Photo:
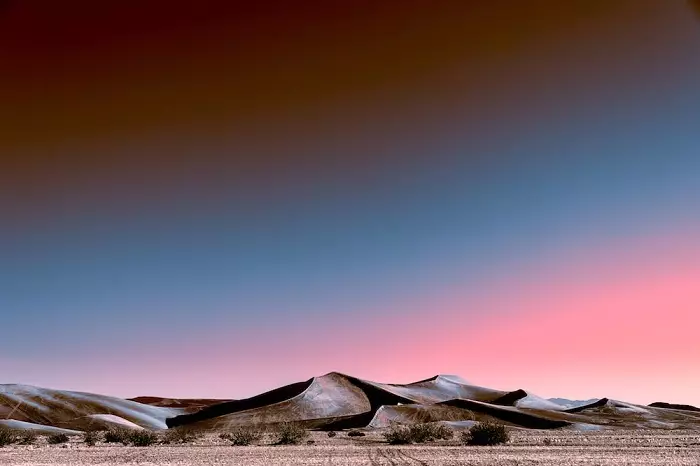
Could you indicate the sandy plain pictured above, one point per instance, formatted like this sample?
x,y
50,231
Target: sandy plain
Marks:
x,y
568,448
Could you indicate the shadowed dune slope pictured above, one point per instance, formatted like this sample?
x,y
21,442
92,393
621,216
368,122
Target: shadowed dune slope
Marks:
x,y
595,404
73,410
522,399
510,414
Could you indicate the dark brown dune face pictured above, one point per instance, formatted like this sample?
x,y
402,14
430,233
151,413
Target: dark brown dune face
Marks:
x,y
660,404
595,404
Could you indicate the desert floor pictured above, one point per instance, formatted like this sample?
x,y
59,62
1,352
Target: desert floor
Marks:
x,y
526,448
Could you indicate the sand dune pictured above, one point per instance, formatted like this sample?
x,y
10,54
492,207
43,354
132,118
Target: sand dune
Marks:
x,y
660,404
332,402
38,428
190,405
74,410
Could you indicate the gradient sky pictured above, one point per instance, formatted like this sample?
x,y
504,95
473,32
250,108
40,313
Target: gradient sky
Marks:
x,y
214,199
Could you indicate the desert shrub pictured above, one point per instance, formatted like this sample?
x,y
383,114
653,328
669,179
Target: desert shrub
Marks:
x,y
142,438
27,438
55,439
485,433
356,433
7,436
242,436
91,437
418,433
332,434
118,435
290,433
398,435
179,435
547,441
421,433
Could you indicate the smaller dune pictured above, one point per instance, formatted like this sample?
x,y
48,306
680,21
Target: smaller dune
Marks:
x,y
660,404
70,410
418,414
110,421
37,428
182,403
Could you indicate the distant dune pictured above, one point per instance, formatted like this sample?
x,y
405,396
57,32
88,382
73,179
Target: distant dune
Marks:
x,y
660,404
76,410
332,402
572,403
189,404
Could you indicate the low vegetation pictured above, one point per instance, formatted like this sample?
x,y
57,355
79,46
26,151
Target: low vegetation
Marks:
x,y
242,436
143,438
290,433
27,438
485,433
332,434
431,432
398,435
418,433
57,439
180,435
91,437
7,437
136,437
356,433
118,435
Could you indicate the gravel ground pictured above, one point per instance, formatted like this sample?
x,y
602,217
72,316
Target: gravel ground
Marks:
x,y
526,448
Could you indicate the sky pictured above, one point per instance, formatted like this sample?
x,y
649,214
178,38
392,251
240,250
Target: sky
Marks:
x,y
219,198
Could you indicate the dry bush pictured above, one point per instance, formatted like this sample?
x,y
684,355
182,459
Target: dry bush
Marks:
x,y
7,436
290,433
27,438
91,437
398,435
356,433
118,435
243,435
418,433
180,435
143,438
56,439
331,434
485,433
421,433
